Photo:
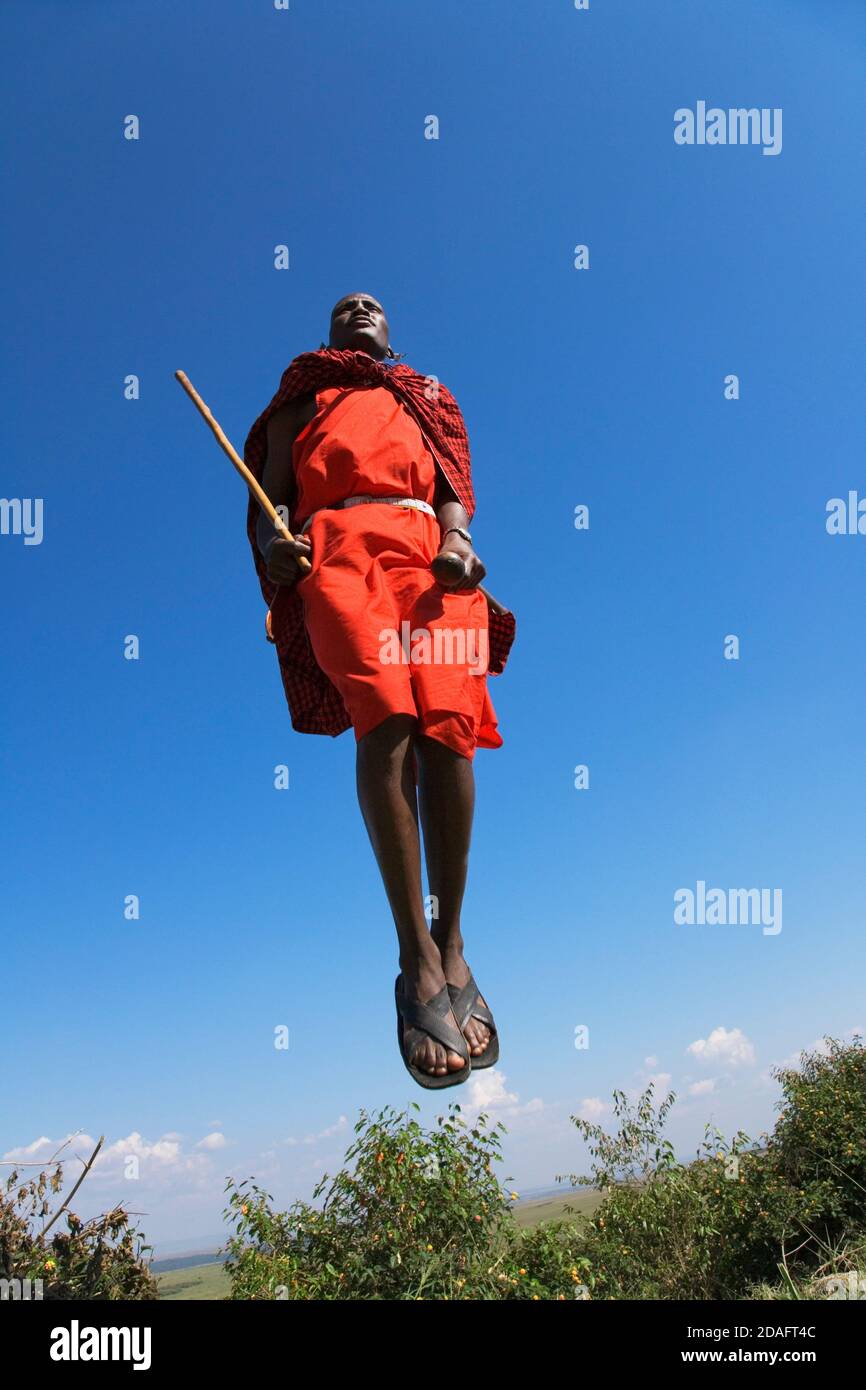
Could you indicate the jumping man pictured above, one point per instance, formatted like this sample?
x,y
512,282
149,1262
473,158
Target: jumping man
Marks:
x,y
370,462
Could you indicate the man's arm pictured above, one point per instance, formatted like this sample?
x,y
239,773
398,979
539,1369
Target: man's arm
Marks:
x,y
450,512
278,481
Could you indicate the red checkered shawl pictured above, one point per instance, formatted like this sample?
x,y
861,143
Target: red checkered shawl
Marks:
x,y
315,704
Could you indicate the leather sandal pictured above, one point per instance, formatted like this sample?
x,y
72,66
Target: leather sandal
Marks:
x,y
466,1003
414,1020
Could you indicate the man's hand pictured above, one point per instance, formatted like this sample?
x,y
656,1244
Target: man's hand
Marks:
x,y
283,556
474,569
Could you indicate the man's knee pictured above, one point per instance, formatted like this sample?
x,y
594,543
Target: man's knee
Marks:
x,y
389,737
432,749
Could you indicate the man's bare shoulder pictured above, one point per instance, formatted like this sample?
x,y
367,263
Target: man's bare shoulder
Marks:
x,y
283,428
288,420
297,411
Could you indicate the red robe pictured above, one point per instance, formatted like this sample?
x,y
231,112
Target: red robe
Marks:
x,y
315,705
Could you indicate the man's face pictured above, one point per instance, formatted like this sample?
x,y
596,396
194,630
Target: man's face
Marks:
x,y
358,324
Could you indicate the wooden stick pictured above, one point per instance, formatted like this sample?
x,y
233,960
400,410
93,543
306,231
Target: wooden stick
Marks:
x,y
252,483
258,492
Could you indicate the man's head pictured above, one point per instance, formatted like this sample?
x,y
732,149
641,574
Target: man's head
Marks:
x,y
358,324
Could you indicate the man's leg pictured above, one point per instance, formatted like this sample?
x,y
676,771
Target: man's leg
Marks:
x,y
388,798
446,795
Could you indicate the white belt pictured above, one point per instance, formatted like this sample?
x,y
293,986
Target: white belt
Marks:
x,y
414,502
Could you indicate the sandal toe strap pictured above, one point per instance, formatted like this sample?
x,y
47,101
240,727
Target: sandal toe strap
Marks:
x,y
432,1018
466,1003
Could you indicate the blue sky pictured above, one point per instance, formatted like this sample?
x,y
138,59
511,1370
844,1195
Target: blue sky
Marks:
x,y
602,387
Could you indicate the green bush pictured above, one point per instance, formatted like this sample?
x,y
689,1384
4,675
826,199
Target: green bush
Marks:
x,y
741,1213
819,1143
412,1219
414,1214
548,1262
418,1214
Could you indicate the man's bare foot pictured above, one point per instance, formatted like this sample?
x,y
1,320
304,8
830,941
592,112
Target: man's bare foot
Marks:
x,y
423,981
457,973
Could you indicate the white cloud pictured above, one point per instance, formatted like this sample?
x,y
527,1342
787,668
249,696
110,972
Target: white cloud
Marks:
x,y
43,1148
32,1153
334,1129
328,1133
165,1151
660,1080
487,1091
212,1141
592,1108
702,1088
651,1062
724,1045
793,1062
160,1160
